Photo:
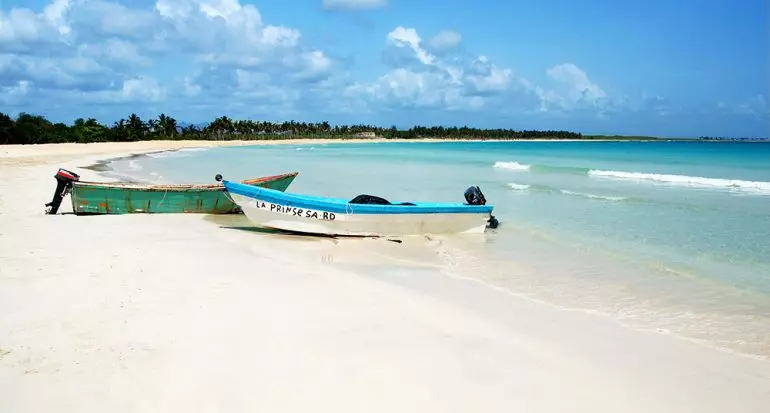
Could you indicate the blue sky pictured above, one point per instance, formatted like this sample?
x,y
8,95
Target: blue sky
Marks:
x,y
667,68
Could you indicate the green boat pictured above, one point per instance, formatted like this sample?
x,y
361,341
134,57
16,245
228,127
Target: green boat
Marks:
x,y
93,198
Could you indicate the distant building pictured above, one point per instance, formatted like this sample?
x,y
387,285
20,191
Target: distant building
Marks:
x,y
366,135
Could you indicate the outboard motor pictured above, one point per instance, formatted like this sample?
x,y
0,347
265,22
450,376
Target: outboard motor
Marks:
x,y
473,196
64,180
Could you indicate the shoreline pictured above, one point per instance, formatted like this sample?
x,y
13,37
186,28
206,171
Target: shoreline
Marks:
x,y
103,171
36,154
237,321
101,166
29,154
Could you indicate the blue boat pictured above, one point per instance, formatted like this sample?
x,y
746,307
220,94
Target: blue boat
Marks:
x,y
364,215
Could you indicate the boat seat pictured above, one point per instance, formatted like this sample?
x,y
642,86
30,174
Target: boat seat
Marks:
x,y
374,200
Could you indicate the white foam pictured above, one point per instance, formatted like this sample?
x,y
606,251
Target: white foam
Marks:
x,y
518,187
514,166
180,153
694,181
164,154
593,196
132,165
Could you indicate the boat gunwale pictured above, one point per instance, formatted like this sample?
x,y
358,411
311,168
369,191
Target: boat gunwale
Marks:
x,y
176,187
342,206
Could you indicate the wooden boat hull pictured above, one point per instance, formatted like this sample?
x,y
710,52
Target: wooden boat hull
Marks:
x,y
122,198
313,215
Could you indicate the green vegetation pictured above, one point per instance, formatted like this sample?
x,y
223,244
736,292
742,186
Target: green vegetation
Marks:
x,y
35,129
28,129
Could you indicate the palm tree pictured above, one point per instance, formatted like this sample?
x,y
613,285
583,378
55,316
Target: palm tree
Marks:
x,y
166,126
136,128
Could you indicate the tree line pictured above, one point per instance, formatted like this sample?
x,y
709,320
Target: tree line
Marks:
x,y
722,138
35,129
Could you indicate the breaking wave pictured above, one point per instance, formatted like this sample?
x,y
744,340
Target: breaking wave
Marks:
x,y
162,154
684,180
518,187
514,166
544,188
755,187
593,196
176,153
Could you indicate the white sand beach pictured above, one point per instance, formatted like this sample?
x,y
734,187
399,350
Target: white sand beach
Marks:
x,y
184,313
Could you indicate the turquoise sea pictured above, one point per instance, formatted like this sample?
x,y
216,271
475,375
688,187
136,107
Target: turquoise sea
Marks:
x,y
667,236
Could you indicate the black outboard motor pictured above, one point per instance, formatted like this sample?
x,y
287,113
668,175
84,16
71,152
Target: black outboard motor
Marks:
x,y
473,196
64,180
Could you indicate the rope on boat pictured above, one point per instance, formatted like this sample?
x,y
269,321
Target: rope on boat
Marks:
x,y
227,194
163,199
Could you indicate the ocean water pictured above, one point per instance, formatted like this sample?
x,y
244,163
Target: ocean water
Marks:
x,y
666,236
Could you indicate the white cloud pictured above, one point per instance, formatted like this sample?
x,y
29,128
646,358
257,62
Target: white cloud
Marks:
x,y
114,50
106,19
407,88
22,29
446,39
574,90
403,37
14,95
485,77
580,87
224,55
353,4
97,45
76,73
142,89
224,28
190,87
451,81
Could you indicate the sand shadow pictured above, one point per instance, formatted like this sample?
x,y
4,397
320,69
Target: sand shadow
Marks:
x,y
273,231
239,222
